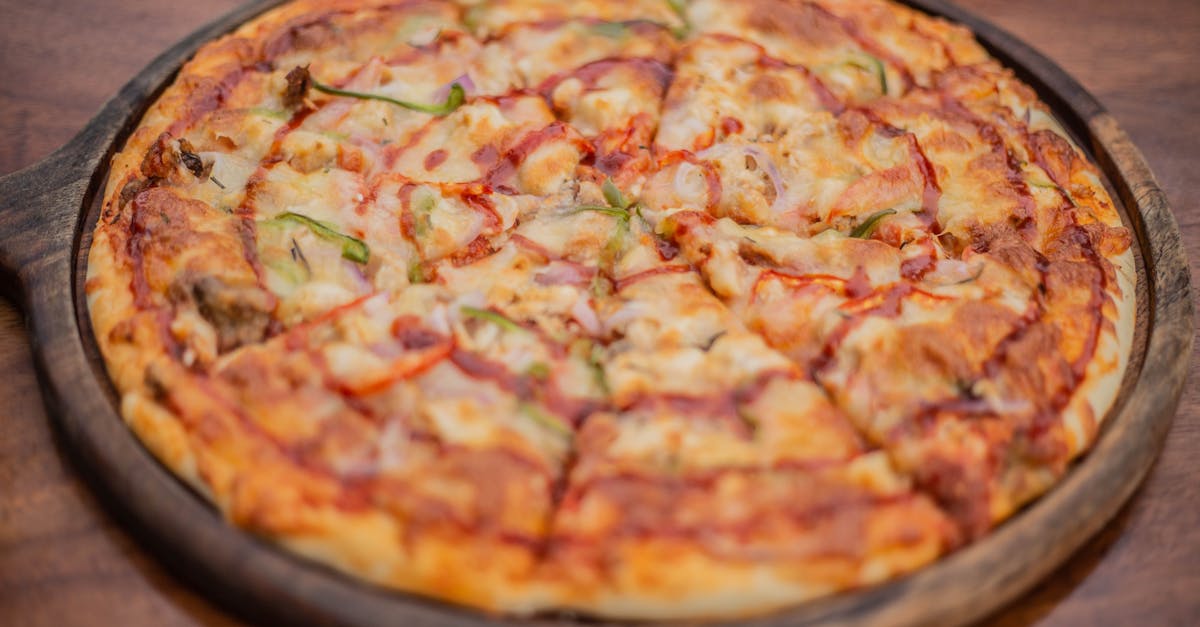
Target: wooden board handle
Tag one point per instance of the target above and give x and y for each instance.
(39, 207)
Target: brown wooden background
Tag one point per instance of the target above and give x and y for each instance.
(65, 561)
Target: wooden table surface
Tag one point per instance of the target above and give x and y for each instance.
(65, 561)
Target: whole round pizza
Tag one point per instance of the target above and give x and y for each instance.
(633, 309)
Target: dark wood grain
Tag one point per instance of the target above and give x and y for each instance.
(62, 560)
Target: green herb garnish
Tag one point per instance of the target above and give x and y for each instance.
(748, 421)
(615, 245)
(454, 99)
(872, 63)
(423, 215)
(274, 114)
(616, 213)
(680, 9)
(613, 195)
(539, 370)
(611, 30)
(1054, 186)
(416, 274)
(867, 228)
(300, 80)
(865, 62)
(600, 286)
(595, 361)
(618, 205)
(472, 18)
(545, 421)
(488, 315)
(353, 248)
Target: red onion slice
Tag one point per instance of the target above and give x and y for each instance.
(463, 81)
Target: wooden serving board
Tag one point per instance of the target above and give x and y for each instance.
(47, 213)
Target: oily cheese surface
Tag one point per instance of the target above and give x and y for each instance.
(642, 309)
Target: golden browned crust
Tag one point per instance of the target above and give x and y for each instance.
(689, 310)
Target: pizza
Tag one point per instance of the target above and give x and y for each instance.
(648, 309)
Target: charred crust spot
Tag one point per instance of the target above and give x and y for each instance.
(479, 248)
(131, 190)
(160, 159)
(755, 256)
(299, 82)
(192, 161)
(240, 314)
(951, 245)
(155, 386)
(122, 331)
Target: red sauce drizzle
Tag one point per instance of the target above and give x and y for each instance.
(486, 157)
(135, 247)
(435, 158)
(414, 337)
(932, 192)
(205, 98)
(408, 226)
(1099, 296)
(826, 97)
(502, 169)
(794, 282)
(731, 125)
(486, 208)
(859, 285)
(870, 45)
(591, 73)
(1016, 181)
(888, 307)
(611, 150)
(634, 278)
(475, 366)
(629, 491)
(479, 248)
(915, 268)
(533, 247)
